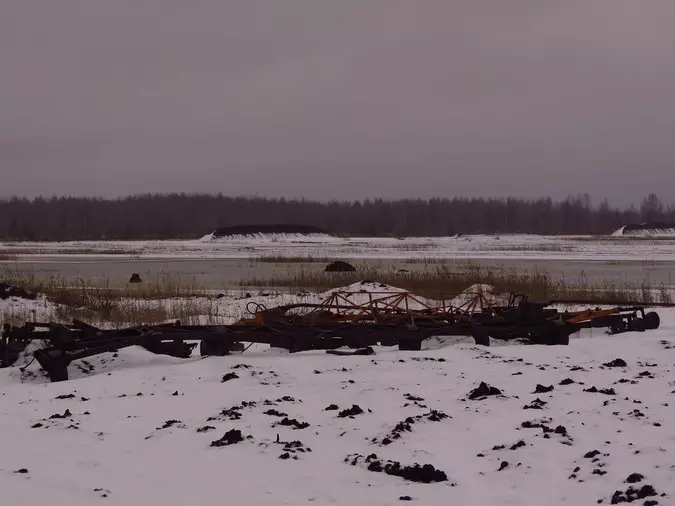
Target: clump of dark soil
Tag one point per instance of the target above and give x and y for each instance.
(229, 376)
(350, 412)
(66, 414)
(65, 396)
(412, 397)
(406, 426)
(417, 473)
(332, 407)
(233, 413)
(536, 404)
(169, 423)
(286, 398)
(503, 465)
(483, 391)
(635, 478)
(605, 391)
(633, 494)
(292, 448)
(231, 437)
(274, 412)
(617, 362)
(560, 429)
(541, 389)
(292, 422)
(566, 381)
(206, 428)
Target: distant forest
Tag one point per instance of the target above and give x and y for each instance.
(181, 216)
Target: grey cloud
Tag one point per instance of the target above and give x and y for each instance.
(337, 99)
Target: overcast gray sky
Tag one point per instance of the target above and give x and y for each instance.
(338, 98)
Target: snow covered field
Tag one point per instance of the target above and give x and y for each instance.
(477, 246)
(136, 428)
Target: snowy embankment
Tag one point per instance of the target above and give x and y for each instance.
(646, 231)
(377, 248)
(572, 425)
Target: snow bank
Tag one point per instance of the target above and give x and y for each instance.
(262, 237)
(646, 230)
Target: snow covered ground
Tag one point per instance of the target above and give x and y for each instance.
(137, 428)
(476, 246)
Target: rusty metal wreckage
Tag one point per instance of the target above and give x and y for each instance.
(387, 319)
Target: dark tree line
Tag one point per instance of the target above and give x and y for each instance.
(178, 216)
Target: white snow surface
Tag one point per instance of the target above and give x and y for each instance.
(464, 247)
(111, 449)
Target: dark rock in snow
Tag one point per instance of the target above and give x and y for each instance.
(405, 498)
(503, 465)
(169, 423)
(65, 396)
(617, 362)
(566, 381)
(591, 454)
(332, 407)
(206, 428)
(23, 470)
